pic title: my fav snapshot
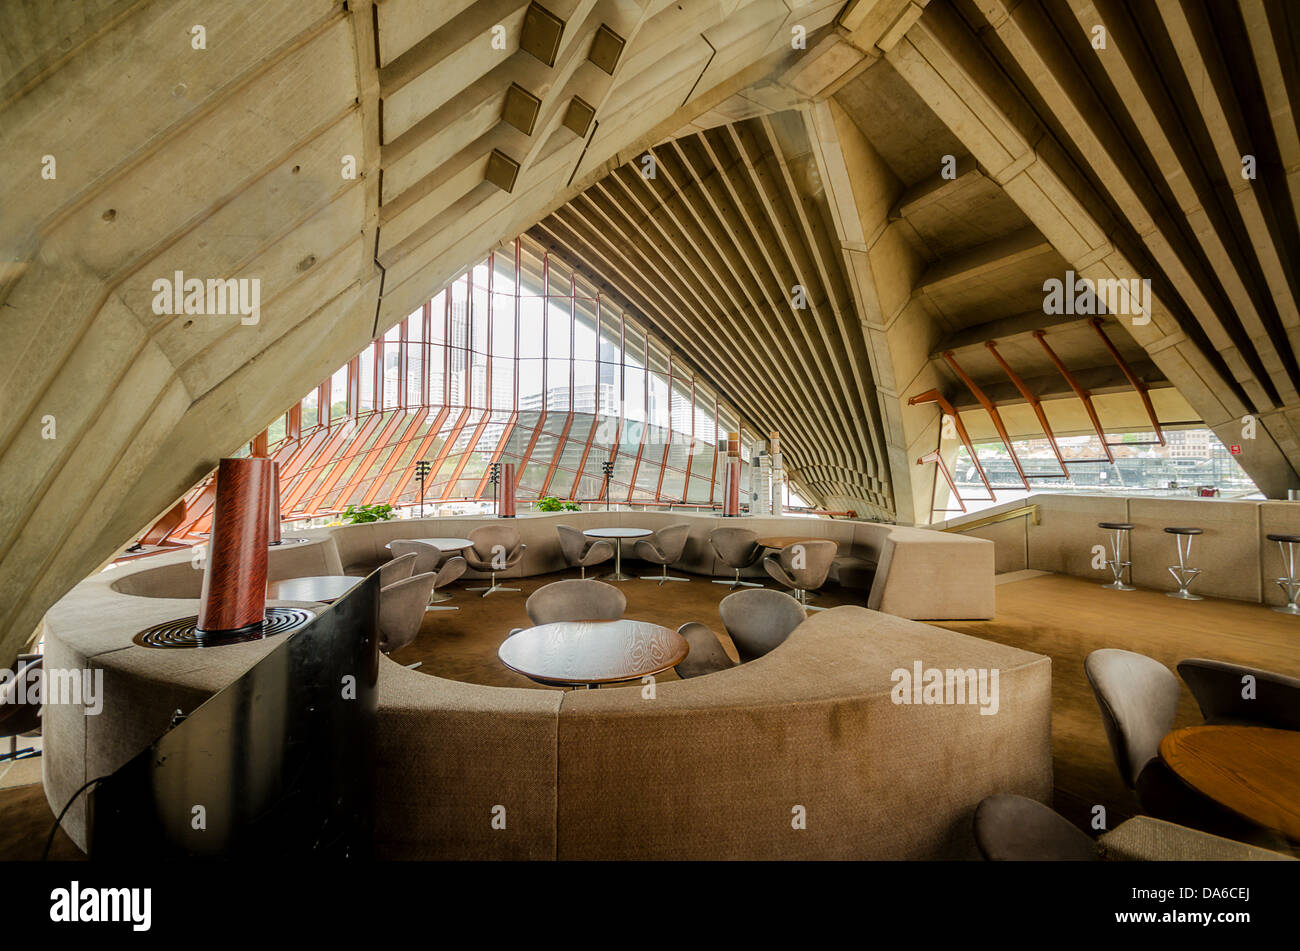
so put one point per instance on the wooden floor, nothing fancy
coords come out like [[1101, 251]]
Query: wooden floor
[[1067, 618], [1064, 618]]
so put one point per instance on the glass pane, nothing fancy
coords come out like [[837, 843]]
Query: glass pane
[[366, 379], [310, 409], [503, 325], [530, 326]]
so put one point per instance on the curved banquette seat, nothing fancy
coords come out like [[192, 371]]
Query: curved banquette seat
[[809, 729]]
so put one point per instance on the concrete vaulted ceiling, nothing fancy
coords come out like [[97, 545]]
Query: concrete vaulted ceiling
[[795, 143]]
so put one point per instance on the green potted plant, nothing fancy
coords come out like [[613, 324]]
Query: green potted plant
[[356, 514]]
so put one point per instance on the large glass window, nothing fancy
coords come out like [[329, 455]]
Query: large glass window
[[519, 360]]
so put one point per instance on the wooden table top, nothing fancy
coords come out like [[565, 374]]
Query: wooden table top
[[1252, 770], [785, 541], [320, 588], [593, 652], [618, 532], [442, 544]]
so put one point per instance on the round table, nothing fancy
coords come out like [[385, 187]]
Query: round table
[[588, 653], [323, 589], [442, 544], [618, 534], [785, 541], [1251, 770]]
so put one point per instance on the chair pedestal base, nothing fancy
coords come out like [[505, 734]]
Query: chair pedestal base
[[1288, 609], [437, 597], [664, 576], [736, 582], [1118, 586], [492, 587], [1184, 595], [803, 597], [437, 607]]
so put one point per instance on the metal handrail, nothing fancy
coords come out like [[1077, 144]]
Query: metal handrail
[[1031, 510]]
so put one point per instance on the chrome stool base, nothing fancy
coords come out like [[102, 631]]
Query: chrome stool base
[[1289, 583], [1183, 574], [1119, 532]]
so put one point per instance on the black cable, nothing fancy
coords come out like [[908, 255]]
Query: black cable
[[50, 841]]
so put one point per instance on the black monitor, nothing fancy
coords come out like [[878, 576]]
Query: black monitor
[[279, 764]]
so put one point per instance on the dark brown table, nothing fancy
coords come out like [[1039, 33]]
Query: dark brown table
[[1252, 770], [589, 653], [320, 588]]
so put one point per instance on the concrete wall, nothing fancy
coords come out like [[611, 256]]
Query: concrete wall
[[1235, 557]]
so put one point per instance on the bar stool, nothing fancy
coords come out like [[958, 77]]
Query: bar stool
[[1183, 574], [1118, 541], [1290, 585]]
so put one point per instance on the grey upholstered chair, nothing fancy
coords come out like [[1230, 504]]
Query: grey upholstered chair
[[575, 599], [427, 557], [1138, 698], [451, 569], [21, 719], [736, 548], [401, 610], [402, 566], [759, 620], [582, 551], [1218, 688], [663, 548], [707, 655], [803, 567], [1016, 829], [496, 548]]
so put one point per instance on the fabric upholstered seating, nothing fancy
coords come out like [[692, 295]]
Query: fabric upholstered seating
[[560, 756], [575, 599], [759, 621], [427, 557], [707, 655], [1016, 829], [919, 573], [401, 610], [496, 548], [450, 570], [1217, 687], [737, 548], [1138, 699], [1144, 839], [581, 551], [663, 548], [400, 567], [802, 567]]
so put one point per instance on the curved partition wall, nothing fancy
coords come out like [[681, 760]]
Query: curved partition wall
[[813, 724]]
